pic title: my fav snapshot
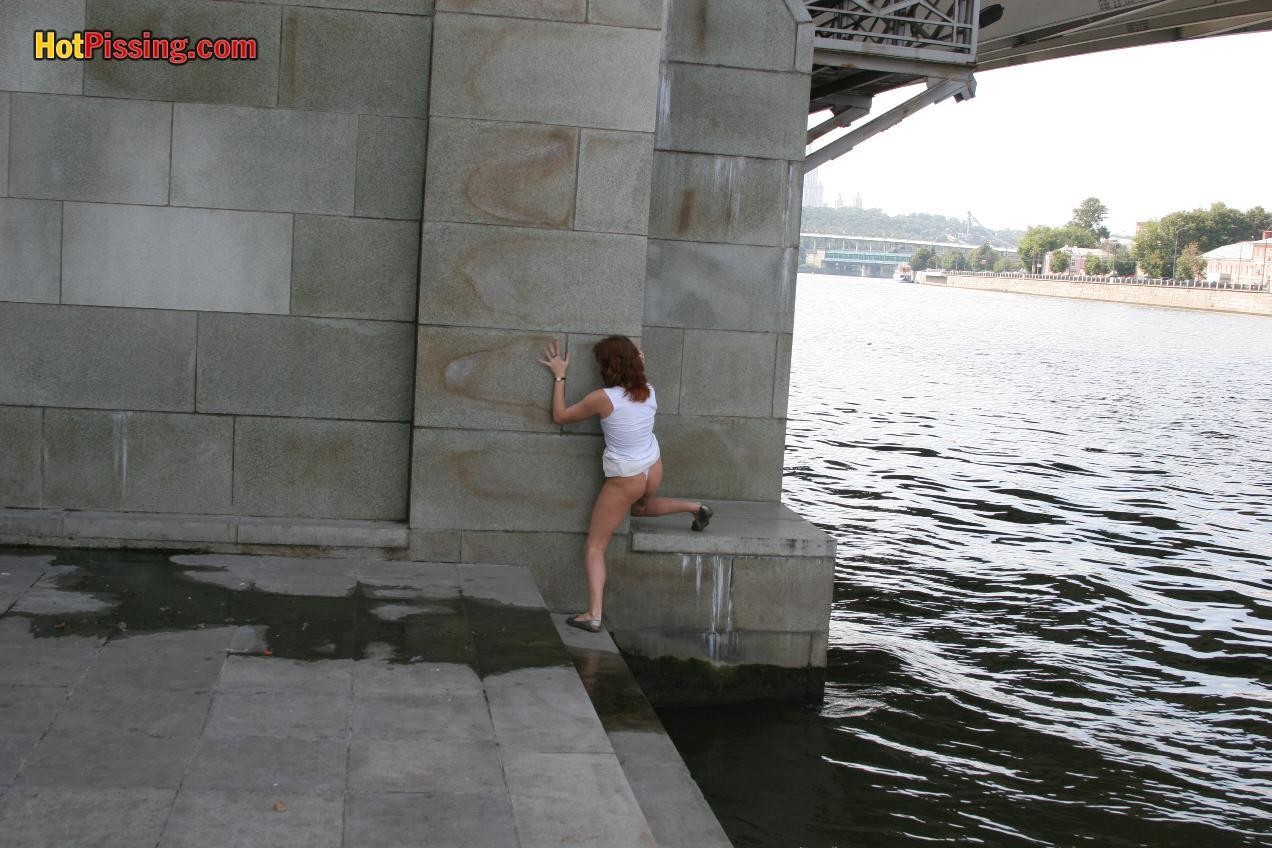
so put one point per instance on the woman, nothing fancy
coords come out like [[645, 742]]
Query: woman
[[632, 463]]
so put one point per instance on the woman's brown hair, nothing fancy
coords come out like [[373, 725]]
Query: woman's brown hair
[[621, 365]]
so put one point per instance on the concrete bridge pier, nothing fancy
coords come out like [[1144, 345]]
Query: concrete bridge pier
[[294, 304]]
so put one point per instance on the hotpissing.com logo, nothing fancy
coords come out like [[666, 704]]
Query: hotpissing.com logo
[[103, 45]]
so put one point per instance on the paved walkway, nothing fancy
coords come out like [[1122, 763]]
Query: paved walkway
[[249, 701]]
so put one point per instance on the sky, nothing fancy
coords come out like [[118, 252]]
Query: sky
[[1148, 130]]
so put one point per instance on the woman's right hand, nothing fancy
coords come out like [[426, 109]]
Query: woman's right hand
[[556, 364]]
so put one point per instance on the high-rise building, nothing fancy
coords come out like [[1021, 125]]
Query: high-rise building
[[813, 189]]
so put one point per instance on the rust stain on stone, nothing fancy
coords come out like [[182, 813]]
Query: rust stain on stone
[[495, 284], [685, 220], [512, 185], [469, 376], [700, 34]]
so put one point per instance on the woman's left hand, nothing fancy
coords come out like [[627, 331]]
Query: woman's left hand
[[555, 363]]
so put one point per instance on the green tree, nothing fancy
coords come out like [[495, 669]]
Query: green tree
[[1040, 240], [1059, 261], [1090, 215], [982, 258], [954, 261], [1154, 248], [1190, 265], [1094, 265], [1007, 263], [923, 259]]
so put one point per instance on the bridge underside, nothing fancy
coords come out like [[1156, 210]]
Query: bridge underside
[[862, 48]]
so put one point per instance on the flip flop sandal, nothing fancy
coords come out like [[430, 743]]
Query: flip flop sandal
[[702, 518], [591, 625]]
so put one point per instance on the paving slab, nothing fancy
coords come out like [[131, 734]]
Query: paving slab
[[424, 765], [106, 710], [448, 717], [269, 763], [84, 818], [210, 819], [290, 715], [30, 709], [124, 760], [438, 821]]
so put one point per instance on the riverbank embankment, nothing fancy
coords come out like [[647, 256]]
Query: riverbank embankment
[[1221, 300]]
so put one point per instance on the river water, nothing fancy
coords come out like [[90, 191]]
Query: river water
[[1053, 608]]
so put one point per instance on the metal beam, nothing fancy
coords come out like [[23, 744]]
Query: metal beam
[[886, 64], [938, 89], [842, 117]]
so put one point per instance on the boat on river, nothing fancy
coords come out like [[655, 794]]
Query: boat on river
[[904, 273]]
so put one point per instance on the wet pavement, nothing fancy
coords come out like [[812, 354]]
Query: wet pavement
[[207, 700]]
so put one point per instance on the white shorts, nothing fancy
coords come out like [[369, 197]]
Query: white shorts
[[615, 467]]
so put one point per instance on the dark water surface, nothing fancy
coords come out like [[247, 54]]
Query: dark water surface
[[1053, 611]]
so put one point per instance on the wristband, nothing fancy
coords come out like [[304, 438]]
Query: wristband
[[558, 379]]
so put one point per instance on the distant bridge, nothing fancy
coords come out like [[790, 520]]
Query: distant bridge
[[862, 48], [871, 256]]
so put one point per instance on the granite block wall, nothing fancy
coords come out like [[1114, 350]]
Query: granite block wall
[[541, 148], [723, 233], [208, 272]]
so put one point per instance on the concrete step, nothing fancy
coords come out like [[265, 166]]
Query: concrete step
[[739, 528]]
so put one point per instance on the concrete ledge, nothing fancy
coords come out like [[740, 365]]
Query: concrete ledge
[[740, 528], [178, 530]]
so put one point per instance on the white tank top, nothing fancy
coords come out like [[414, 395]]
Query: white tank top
[[629, 429]]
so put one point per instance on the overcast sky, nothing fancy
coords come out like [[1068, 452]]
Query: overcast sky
[[1148, 130]]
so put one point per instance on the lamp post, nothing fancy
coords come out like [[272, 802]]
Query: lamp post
[[1174, 251]]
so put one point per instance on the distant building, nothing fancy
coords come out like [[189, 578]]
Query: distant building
[[813, 190], [1078, 258], [1246, 263]]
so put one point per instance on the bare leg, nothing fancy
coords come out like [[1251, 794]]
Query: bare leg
[[650, 504], [616, 497]]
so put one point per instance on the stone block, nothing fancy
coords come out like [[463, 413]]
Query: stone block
[[523, 70], [734, 531], [403, 819], [507, 585], [549, 10], [270, 764], [646, 14], [530, 279], [671, 592], [787, 284], [744, 456], [86, 148], [321, 469], [664, 349], [74, 818], [735, 200], [614, 173], [728, 373], [148, 526], [734, 647], [764, 114], [804, 34], [555, 560], [782, 375], [30, 245], [739, 33], [204, 817], [501, 173], [548, 790], [139, 461], [487, 480], [327, 533], [355, 268], [352, 61], [544, 709], [90, 357], [305, 367], [289, 715], [30, 522], [122, 760], [424, 765], [436, 545], [714, 286], [19, 71], [4, 140], [273, 674], [274, 160], [30, 709], [247, 83], [21, 465], [390, 181], [804, 585], [107, 710], [167, 258], [482, 379], [379, 679], [399, 7], [423, 715]]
